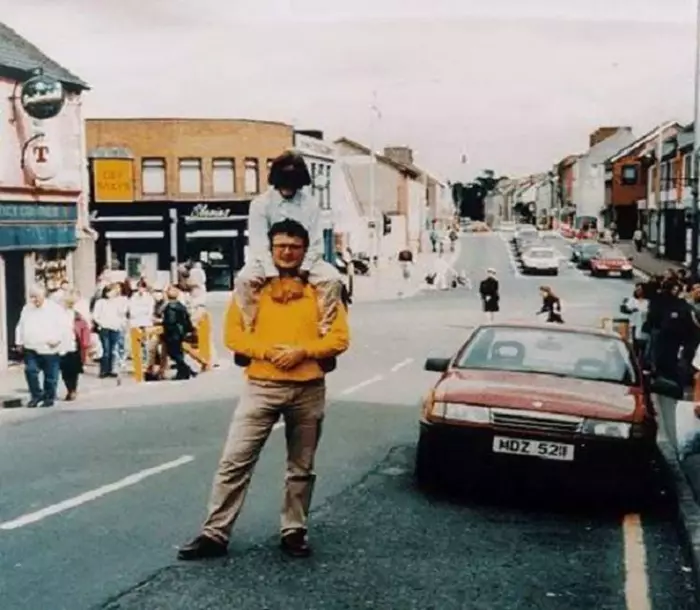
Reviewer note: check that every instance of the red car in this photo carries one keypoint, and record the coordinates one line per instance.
(611, 263)
(527, 396)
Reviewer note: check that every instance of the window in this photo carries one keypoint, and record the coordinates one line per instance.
(313, 178)
(688, 169)
(629, 174)
(552, 352)
(153, 176)
(223, 176)
(191, 176)
(251, 178)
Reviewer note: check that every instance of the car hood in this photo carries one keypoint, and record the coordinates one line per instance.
(544, 393)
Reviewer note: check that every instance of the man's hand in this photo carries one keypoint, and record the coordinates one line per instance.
(285, 357)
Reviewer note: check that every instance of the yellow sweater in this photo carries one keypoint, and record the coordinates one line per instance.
(294, 323)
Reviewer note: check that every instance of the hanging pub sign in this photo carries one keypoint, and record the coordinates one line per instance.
(42, 96)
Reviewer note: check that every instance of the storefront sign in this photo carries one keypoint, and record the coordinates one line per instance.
(42, 96)
(113, 180)
(33, 212)
(312, 147)
(202, 210)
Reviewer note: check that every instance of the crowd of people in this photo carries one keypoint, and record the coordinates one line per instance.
(61, 332)
(664, 319)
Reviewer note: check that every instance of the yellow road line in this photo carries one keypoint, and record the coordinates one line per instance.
(636, 579)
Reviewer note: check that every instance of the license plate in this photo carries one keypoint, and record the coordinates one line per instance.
(542, 449)
(613, 273)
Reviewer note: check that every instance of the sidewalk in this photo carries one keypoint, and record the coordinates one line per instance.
(386, 283)
(645, 261)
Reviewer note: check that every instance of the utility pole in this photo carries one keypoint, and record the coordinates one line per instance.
(376, 114)
(695, 186)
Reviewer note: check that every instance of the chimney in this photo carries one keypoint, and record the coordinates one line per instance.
(603, 133)
(400, 154)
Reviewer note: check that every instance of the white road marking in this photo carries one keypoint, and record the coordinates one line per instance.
(636, 580)
(402, 364)
(94, 494)
(354, 388)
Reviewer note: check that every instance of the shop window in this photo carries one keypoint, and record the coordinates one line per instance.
(252, 177)
(630, 174)
(224, 176)
(190, 176)
(50, 269)
(153, 176)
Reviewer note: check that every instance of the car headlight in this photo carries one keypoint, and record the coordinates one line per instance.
(471, 413)
(610, 429)
(626, 267)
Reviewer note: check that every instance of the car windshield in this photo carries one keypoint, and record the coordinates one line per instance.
(590, 248)
(613, 255)
(540, 253)
(560, 353)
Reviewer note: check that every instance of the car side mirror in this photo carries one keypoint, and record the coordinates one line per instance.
(630, 258)
(437, 365)
(666, 387)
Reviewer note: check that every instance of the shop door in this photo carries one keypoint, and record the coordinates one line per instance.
(15, 290)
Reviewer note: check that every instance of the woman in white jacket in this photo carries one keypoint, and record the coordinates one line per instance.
(109, 317)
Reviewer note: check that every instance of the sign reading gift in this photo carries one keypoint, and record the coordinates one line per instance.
(113, 180)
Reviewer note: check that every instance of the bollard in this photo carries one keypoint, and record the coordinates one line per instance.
(136, 337)
(201, 353)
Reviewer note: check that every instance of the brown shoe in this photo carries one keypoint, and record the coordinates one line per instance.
(71, 396)
(295, 544)
(202, 547)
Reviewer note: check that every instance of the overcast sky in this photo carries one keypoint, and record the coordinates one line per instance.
(514, 84)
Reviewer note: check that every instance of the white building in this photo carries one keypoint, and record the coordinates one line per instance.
(43, 211)
(320, 157)
(588, 188)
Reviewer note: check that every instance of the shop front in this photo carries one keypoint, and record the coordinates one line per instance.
(36, 242)
(149, 239)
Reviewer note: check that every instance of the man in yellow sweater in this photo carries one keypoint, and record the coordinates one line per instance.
(285, 378)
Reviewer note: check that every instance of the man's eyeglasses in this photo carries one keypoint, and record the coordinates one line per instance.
(292, 247)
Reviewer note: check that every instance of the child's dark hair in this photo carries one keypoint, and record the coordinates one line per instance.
(289, 171)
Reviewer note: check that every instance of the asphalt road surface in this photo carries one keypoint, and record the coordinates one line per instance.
(94, 501)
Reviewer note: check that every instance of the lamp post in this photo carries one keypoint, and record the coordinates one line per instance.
(696, 157)
(322, 184)
(376, 115)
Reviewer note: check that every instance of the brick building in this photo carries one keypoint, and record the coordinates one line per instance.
(169, 190)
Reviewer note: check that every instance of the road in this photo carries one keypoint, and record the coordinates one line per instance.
(136, 475)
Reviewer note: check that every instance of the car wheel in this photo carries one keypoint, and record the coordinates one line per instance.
(555, 272)
(427, 473)
(628, 276)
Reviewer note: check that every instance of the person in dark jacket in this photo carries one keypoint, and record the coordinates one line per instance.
(490, 296)
(177, 327)
(551, 305)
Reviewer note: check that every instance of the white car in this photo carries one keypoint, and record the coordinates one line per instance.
(540, 259)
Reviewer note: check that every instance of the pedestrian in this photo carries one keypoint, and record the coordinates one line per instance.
(40, 334)
(638, 239)
(405, 260)
(489, 290)
(77, 346)
(177, 328)
(551, 305)
(637, 307)
(287, 198)
(141, 310)
(671, 317)
(284, 379)
(109, 318)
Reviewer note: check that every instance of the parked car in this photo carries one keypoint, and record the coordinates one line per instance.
(537, 399)
(585, 253)
(523, 231)
(610, 262)
(540, 259)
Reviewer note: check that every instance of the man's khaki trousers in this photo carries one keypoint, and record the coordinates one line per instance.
(260, 407)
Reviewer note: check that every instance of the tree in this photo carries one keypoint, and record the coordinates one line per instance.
(470, 197)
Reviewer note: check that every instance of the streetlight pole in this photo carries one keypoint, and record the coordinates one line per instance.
(376, 114)
(695, 186)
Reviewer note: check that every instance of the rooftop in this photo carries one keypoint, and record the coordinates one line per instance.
(20, 57)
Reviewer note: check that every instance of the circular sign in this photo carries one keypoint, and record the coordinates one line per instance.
(42, 96)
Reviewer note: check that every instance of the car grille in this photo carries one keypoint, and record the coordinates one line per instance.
(533, 421)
